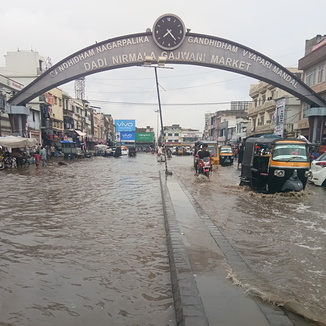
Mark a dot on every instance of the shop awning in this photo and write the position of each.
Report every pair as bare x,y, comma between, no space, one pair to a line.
17,142
80,133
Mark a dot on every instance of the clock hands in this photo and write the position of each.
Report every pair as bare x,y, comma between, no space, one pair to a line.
168,32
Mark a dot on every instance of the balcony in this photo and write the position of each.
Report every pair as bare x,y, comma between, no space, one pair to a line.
67,113
266,128
267,105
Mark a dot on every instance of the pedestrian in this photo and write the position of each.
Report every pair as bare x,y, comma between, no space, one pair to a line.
43,153
37,157
52,149
240,156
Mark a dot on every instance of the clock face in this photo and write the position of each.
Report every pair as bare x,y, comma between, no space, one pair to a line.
169,32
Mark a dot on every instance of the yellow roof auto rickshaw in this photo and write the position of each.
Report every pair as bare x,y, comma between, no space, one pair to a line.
275,165
226,154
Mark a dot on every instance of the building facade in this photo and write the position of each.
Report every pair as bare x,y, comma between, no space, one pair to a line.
312,123
222,125
272,110
24,67
8,87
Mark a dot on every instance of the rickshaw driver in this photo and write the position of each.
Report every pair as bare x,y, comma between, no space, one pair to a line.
203,152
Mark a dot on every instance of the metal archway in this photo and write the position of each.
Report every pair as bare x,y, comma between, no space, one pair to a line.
197,49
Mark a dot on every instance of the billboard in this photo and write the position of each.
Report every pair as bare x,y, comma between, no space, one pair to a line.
145,136
126,136
125,125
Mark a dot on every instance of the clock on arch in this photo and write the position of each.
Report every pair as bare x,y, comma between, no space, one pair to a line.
169,32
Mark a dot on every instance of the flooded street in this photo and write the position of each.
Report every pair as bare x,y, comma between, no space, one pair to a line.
281,237
84,244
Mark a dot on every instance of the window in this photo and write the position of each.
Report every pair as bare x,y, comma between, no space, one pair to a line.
273,94
170,134
261,121
310,77
176,134
60,102
320,74
290,152
33,116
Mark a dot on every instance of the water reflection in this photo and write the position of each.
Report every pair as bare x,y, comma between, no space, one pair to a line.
84,244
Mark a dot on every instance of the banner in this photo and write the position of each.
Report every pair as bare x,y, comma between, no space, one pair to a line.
125,125
279,115
145,136
127,136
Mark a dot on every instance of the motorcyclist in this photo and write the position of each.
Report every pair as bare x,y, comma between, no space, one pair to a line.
203,152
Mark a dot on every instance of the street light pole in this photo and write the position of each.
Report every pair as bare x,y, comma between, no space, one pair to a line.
160,64
159,105
157,126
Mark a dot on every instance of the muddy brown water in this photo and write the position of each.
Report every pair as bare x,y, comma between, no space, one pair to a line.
282,237
84,244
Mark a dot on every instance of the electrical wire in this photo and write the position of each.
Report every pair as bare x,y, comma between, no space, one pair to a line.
167,104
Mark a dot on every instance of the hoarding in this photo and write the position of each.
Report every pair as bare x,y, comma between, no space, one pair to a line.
125,125
144,136
279,114
127,136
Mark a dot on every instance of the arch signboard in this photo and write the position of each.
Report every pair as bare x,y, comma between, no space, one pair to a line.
178,47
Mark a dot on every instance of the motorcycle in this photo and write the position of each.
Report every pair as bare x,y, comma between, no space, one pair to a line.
6,161
2,163
204,166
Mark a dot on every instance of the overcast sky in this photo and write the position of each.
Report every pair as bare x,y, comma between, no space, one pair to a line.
56,29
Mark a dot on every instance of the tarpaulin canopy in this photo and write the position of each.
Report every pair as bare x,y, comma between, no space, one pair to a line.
17,142
80,133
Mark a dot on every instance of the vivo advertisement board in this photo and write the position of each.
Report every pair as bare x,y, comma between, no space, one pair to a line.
125,125
126,136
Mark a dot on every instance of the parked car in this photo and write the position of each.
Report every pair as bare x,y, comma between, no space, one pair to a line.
318,171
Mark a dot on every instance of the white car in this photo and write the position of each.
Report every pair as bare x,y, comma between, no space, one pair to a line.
318,171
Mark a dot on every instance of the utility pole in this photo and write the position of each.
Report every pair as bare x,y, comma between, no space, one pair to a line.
160,64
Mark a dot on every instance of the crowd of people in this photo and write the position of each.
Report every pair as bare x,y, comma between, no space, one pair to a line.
17,156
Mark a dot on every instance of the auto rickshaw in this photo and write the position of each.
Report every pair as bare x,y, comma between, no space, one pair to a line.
273,165
226,154
212,147
100,149
68,149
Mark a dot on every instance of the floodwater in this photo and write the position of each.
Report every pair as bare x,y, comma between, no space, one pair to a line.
84,244
282,237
